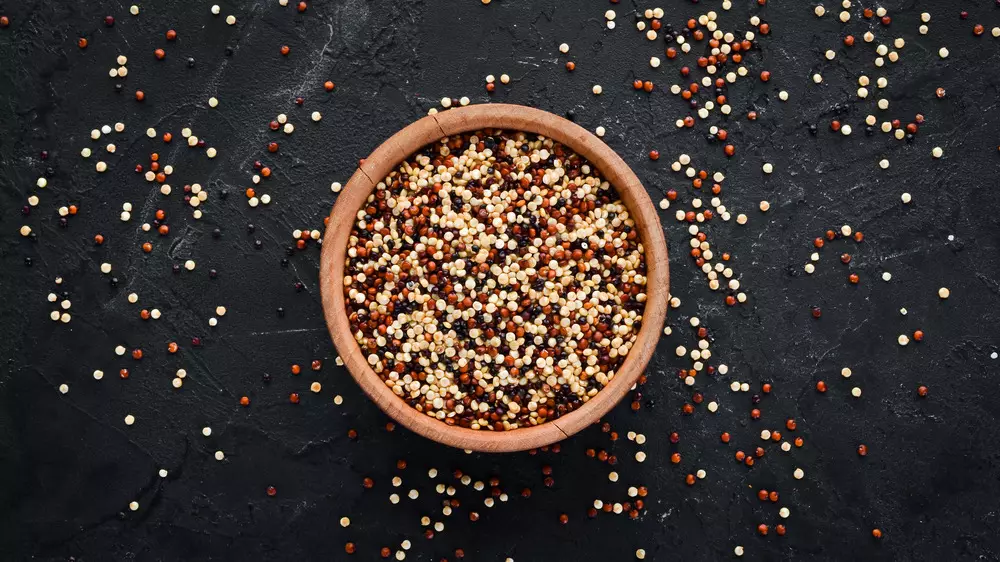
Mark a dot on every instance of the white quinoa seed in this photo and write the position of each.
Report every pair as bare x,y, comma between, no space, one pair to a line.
219,455
944,293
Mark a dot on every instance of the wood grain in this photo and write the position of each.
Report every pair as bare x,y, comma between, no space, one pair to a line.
514,118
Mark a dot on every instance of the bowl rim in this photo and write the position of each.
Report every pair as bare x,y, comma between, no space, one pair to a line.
510,117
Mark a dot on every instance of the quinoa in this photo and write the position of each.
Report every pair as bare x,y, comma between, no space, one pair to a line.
495,280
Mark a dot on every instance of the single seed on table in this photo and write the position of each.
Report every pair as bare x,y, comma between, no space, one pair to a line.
944,293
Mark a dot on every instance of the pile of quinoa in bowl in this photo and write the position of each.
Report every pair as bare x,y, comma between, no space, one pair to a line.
494,280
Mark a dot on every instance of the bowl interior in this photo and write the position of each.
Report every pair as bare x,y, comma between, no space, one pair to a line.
514,118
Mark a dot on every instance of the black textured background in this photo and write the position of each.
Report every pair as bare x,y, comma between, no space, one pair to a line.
69,466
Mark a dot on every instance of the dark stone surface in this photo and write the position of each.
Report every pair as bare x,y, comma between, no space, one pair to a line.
69,466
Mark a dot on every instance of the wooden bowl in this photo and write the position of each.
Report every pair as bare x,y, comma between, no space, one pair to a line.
432,128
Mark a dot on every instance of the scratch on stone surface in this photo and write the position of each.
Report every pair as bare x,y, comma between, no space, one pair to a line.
317,61
895,255
283,332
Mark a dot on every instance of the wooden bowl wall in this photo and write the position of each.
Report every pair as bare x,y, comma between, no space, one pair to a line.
430,129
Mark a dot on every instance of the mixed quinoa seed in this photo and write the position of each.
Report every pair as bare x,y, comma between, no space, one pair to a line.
521,303
495,280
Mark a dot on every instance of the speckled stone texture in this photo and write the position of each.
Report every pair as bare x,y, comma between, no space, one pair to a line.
69,466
